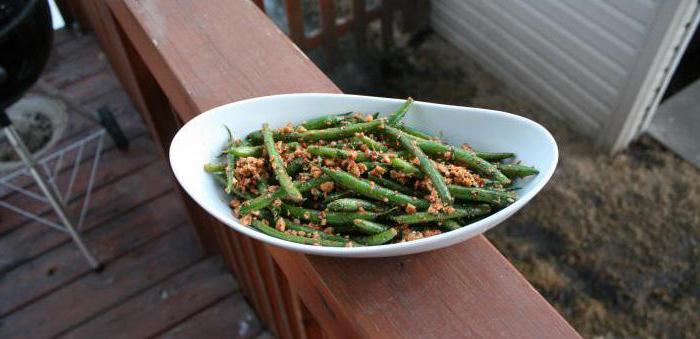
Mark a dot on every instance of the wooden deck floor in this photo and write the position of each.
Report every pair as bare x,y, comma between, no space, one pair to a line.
157,282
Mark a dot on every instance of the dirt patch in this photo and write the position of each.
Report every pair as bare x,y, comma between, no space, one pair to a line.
612,241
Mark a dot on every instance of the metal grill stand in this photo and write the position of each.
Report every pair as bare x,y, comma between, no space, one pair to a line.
49,187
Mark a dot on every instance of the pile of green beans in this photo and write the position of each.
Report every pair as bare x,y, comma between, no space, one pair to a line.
349,180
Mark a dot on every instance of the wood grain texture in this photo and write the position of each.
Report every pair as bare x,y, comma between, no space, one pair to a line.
158,308
465,289
329,40
112,239
95,293
208,324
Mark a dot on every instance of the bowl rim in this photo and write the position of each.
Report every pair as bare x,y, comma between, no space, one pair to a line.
414,246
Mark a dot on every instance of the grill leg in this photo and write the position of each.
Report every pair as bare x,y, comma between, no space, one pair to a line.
53,198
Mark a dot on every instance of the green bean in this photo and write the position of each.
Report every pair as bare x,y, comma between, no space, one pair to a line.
245,151
374,191
426,165
396,117
369,227
493,156
466,157
332,218
266,198
460,212
230,172
493,197
336,153
391,184
517,170
260,226
283,178
450,225
337,195
214,167
334,133
295,166
351,205
292,226
377,239
325,121
415,132
405,166
220,177
373,145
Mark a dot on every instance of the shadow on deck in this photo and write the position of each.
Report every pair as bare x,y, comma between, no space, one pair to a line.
157,281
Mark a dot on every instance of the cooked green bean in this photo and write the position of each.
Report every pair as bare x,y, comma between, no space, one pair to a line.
493,156
337,153
450,225
369,227
245,151
517,170
335,133
262,227
336,195
396,117
331,218
415,132
391,184
493,197
373,145
266,198
374,191
295,166
466,157
292,226
325,121
377,239
278,166
220,177
351,205
459,212
214,167
426,165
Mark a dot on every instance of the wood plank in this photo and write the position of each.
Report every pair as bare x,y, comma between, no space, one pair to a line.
292,305
295,21
259,294
229,318
268,274
359,26
260,4
95,293
111,240
329,40
160,307
229,67
91,86
213,85
88,62
30,241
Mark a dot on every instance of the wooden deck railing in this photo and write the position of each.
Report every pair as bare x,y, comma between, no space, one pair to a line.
332,28
176,68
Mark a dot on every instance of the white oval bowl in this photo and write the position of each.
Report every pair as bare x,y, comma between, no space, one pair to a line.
201,140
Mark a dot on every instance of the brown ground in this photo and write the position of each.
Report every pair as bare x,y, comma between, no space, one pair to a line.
612,241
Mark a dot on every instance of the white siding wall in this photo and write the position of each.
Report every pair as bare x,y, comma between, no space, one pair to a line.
576,58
